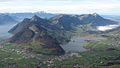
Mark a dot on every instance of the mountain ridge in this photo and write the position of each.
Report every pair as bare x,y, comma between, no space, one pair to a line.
34,30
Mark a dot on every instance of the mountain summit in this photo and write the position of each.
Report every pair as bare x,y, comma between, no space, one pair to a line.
95,14
35,18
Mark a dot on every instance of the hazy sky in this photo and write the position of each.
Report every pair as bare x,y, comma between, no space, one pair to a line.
62,6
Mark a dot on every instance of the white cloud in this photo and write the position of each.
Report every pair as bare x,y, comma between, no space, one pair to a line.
61,6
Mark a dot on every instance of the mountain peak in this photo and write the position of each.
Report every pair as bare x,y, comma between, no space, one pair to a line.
35,18
95,15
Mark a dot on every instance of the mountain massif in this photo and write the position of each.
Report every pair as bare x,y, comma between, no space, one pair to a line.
50,33
36,29
69,21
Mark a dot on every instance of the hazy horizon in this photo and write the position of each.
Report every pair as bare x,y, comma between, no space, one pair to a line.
103,7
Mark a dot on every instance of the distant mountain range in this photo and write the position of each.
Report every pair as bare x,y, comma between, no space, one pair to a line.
6,19
112,17
21,16
94,18
18,17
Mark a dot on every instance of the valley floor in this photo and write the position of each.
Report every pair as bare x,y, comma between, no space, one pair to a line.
102,53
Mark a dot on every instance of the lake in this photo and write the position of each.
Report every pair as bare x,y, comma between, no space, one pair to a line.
75,45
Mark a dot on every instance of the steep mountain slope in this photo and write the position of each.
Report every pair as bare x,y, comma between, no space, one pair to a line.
64,21
26,23
6,19
68,22
95,20
38,30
